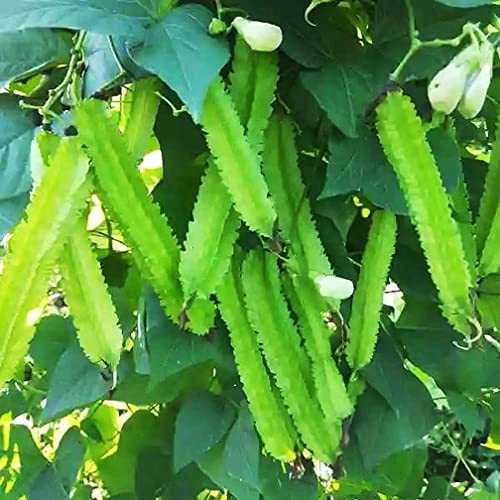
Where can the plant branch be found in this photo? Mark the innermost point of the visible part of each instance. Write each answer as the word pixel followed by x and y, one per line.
pixel 56 94
pixel 416 44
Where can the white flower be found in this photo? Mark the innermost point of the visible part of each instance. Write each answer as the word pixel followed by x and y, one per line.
pixel 477 85
pixel 446 88
pixel 476 89
pixel 334 287
pixel 463 82
pixel 262 37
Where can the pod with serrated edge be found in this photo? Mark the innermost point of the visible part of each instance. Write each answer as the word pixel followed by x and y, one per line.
pixel 34 248
pixel 236 160
pixel 121 187
pixel 369 294
pixel 271 418
pixel 269 316
pixel 408 151
pixel 90 303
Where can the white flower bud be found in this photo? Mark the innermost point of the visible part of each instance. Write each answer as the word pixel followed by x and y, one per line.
pixel 334 287
pixel 477 85
pixel 262 37
pixel 446 88
pixel 476 89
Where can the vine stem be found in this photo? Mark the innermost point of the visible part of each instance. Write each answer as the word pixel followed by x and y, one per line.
pixel 220 8
pixel 416 44
pixel 55 94
pixel 460 459
pixel 175 111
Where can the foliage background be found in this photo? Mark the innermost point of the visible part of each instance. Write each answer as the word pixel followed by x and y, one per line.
pixel 177 425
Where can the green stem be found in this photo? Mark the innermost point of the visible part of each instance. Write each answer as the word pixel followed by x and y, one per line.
pixel 175 111
pixel 220 8
pixel 416 44
pixel 55 94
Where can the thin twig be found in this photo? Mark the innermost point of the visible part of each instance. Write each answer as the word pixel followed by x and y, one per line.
pixel 416 44
pixel 56 94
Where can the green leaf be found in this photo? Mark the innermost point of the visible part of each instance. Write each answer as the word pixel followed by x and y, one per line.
pixel 466 412
pixel 242 450
pixel 25 52
pixel 101 429
pixel 189 483
pixel 212 463
pixel 47 485
pixel 466 4
pixel 181 52
pixel 483 495
pixel 69 458
pixel 433 351
pixel 13 401
pixel 11 210
pixel 151 472
pixel 401 474
pixel 173 350
pixel 100 16
pixel 53 336
pixel 118 471
pixel 134 388
pixel 360 165
pixel 437 488
pixel 279 485
pixel 344 90
pixel 17 130
pixel 395 412
pixel 76 382
pixel 31 460
pixel 202 422
pixel 101 65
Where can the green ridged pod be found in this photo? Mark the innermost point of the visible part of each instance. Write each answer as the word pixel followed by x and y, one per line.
pixel 490 200
pixel 34 248
pixel 254 79
pixel 490 258
pixel 284 179
pixel 463 216
pixel 200 315
pixel 330 388
pixel 124 194
pixel 214 228
pixel 488 223
pixel 141 115
pixel 236 160
pixel 210 239
pixel 271 418
pixel 269 316
pixel 282 173
pixel 89 301
pixel 369 294
pixel 403 139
